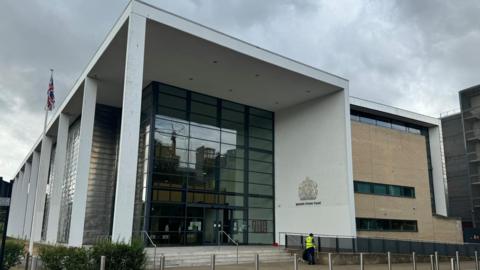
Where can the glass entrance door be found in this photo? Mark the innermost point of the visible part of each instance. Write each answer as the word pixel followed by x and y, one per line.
pixel 216 221
pixel 210 231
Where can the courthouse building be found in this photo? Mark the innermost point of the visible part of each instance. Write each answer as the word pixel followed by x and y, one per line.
pixel 178 131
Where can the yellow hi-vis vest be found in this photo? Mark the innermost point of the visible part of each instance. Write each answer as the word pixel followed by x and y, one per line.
pixel 309 242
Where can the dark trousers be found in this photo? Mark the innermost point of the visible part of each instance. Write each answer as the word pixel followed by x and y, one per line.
pixel 311 255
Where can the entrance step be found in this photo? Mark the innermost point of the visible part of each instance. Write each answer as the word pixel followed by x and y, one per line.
pixel 224 255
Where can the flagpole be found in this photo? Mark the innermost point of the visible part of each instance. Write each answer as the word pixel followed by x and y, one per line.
pixel 32 227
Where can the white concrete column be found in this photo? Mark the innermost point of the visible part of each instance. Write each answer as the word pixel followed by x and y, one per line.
pixel 438 164
pixel 77 221
pixel 22 205
pixel 129 130
pixel 27 228
pixel 19 221
pixel 12 229
pixel 59 174
pixel 41 189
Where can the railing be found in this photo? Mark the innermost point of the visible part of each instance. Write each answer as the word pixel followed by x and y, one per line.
pixel 229 238
pixel 154 248
pixel 379 245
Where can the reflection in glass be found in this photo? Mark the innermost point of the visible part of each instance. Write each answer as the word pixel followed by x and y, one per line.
pixel 231 137
pixel 171 125
pixel 205 132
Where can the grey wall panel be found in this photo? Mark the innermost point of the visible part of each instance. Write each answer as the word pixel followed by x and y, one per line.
pixel 102 174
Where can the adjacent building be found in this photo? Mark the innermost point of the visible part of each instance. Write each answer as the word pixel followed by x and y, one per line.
pixel 181 132
pixel 462 145
pixel 398 175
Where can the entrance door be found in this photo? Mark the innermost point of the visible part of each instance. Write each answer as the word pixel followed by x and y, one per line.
pixel 216 221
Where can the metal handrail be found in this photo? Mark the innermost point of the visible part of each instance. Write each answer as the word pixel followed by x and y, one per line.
pixel 154 248
pixel 230 239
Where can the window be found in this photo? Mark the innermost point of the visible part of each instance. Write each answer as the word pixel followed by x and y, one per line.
pixel 394 225
pixel 380 121
pixel 362 187
pixel 383 189
pixel 368 120
pixel 380 189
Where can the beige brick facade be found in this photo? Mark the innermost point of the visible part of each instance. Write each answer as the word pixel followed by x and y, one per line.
pixel 387 156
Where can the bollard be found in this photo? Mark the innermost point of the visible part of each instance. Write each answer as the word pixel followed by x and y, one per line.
pixel 102 262
pixel 414 261
pixel 330 262
pixel 362 264
pixel 162 262
pixel 452 264
pixel 476 260
pixel 257 262
pixel 34 263
pixel 295 261
pixel 212 262
pixel 389 260
pixel 432 264
pixel 457 259
pixel 437 267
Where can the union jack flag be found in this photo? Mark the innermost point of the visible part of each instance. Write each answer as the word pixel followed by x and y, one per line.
pixel 50 94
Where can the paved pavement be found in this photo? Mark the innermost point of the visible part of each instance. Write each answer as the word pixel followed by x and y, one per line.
pixel 287 266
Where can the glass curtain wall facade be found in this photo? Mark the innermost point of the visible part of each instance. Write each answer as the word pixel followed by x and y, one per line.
pixel 68 185
pixel 205 167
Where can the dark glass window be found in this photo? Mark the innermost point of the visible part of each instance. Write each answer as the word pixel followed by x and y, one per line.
pixel 371 224
pixel 261 122
pixel 383 189
pixel 387 123
pixel 174 102
pixel 362 187
pixel 368 120
pixel 414 130
pixel 399 126
pixel 234 116
pixel 261 133
pixel 384 123
pixel 204 109
pixel 380 189
pixel 395 190
pixel 262 113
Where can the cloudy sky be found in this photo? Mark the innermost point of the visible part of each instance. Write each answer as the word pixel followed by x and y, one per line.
pixel 411 54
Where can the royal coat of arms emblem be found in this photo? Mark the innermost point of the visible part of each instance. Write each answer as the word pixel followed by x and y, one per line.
pixel 307 190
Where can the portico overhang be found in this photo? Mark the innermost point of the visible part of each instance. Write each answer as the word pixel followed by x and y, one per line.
pixel 186 54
